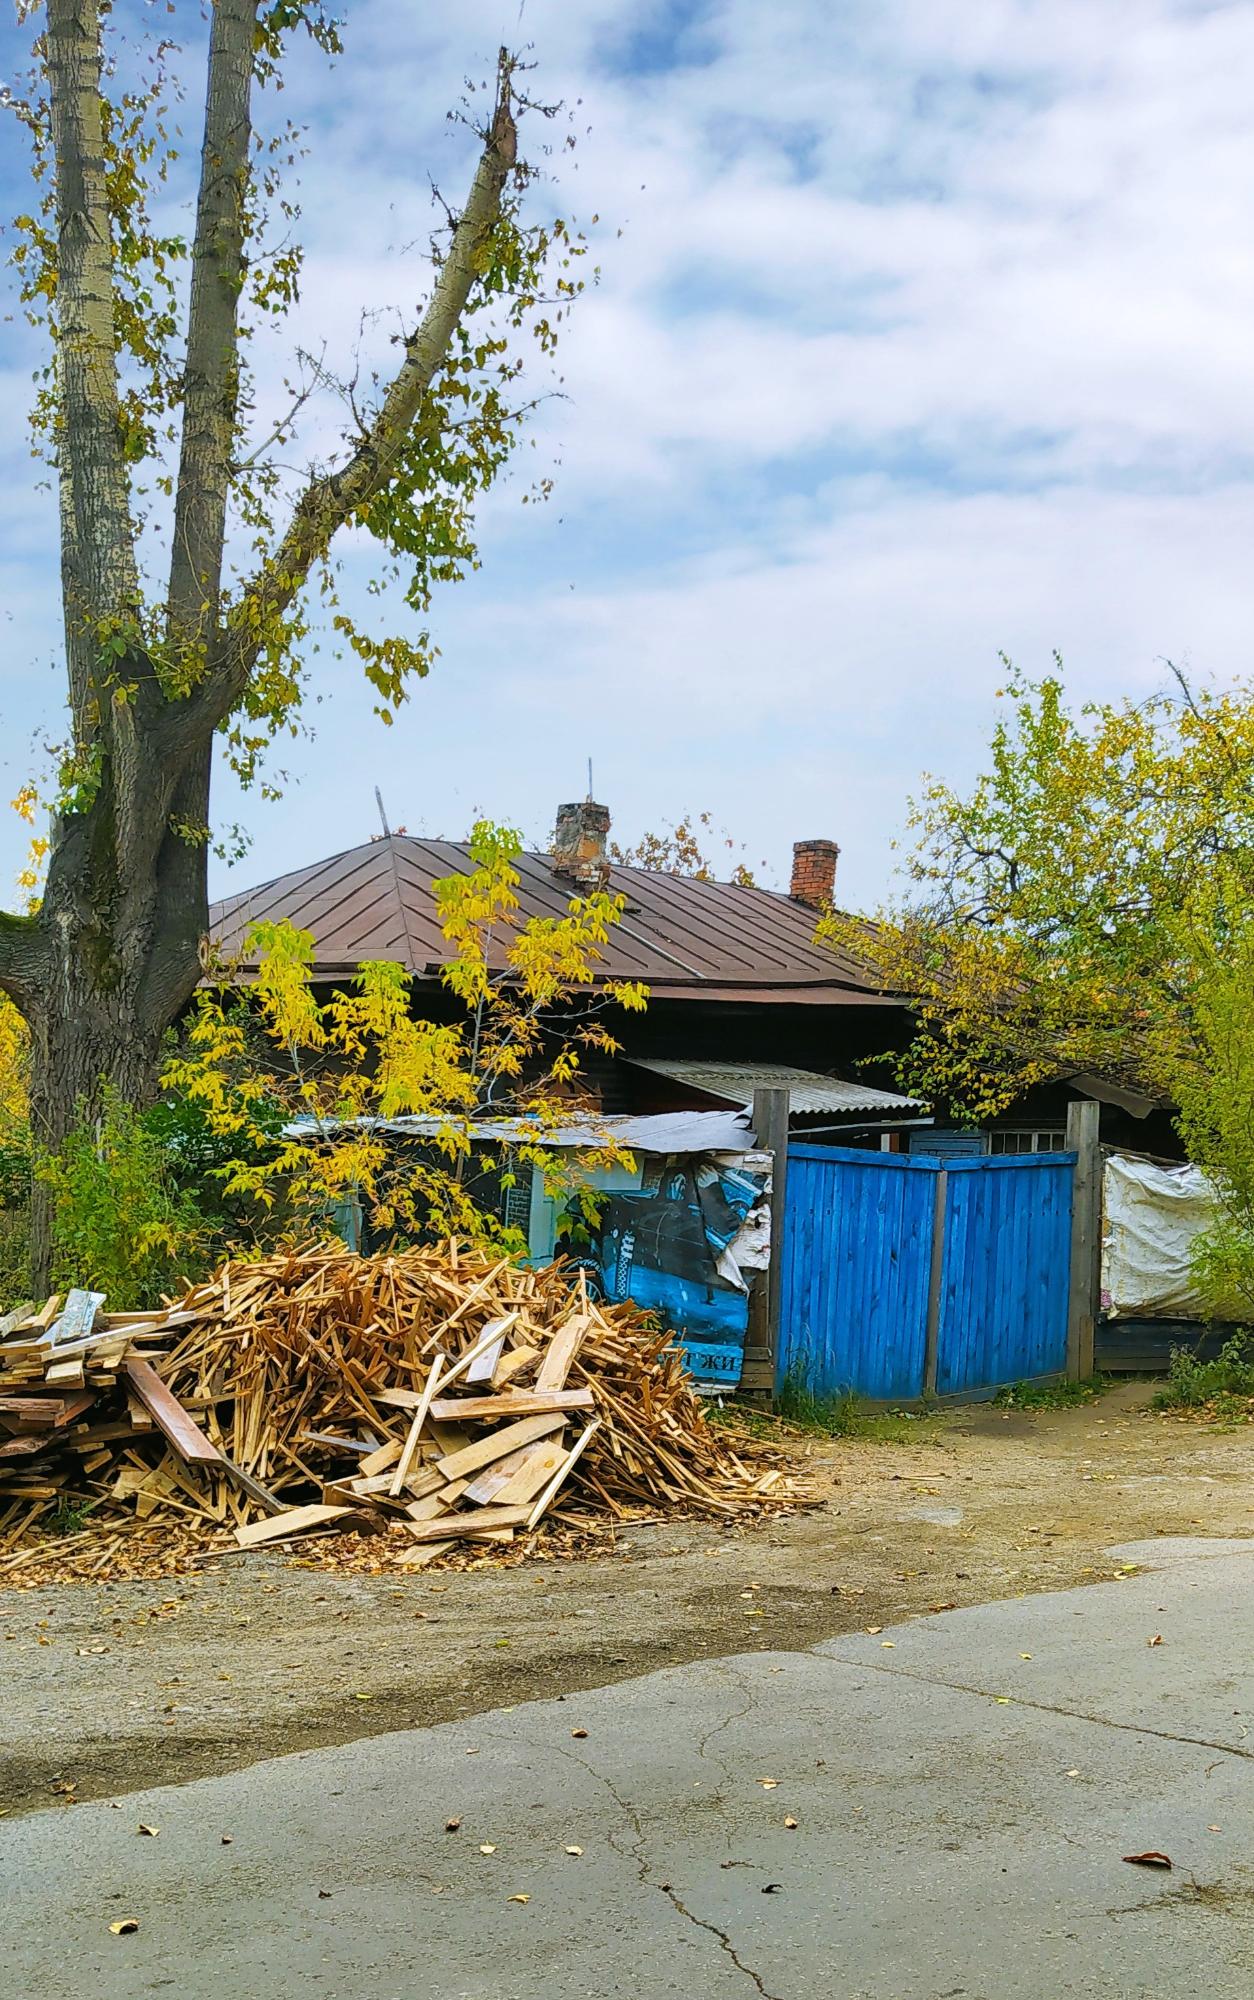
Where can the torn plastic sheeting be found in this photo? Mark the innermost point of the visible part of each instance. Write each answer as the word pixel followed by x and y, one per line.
pixel 1153 1217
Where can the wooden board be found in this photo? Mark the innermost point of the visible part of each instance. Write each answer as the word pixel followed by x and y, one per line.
pixel 420 1417
pixel 563 1348
pixel 484 1366
pixel 479 1521
pixel 563 1471
pixel 460 1464
pixel 510 1403
pixel 182 1431
pixel 527 1480
pixel 437 1503
pixel 421 1553
pixel 379 1461
pixel 513 1363
pixel 292 1521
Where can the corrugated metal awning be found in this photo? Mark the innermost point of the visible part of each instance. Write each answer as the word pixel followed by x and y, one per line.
pixel 808 1090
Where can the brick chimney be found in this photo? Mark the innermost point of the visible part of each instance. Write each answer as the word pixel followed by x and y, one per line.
pixel 579 844
pixel 814 872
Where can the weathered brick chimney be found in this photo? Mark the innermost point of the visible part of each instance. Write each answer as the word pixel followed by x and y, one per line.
pixel 814 872
pixel 579 844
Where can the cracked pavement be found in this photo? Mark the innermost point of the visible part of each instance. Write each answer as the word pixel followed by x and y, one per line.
pixel 964 1788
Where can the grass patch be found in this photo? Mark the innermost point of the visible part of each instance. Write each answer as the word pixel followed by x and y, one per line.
pixel 848 1416
pixel 1222 1389
pixel 1051 1395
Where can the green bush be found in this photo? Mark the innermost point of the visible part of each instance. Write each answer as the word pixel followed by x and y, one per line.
pixel 15 1282
pixel 1192 1384
pixel 121 1223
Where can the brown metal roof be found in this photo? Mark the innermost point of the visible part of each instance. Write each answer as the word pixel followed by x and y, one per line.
pixel 686 938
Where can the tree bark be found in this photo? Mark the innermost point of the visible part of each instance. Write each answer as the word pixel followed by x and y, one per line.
pixel 106 967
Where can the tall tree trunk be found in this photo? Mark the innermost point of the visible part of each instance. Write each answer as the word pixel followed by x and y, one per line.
pixel 115 968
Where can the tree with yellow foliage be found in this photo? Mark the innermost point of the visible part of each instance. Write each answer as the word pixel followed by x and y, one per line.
pixel 531 1009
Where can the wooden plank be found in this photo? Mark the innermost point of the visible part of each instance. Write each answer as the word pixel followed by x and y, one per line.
pixel 438 1503
pixel 479 1521
pixel 511 1403
pixel 69 1374
pixel 182 1431
pixel 489 1483
pixel 421 1553
pixel 563 1348
pixel 420 1416
pixel 513 1363
pixel 460 1464
pixel 379 1461
pixel 521 1488
pixel 484 1366
pixel 1084 1298
pixel 563 1471
pixel 250 1485
pixel 292 1521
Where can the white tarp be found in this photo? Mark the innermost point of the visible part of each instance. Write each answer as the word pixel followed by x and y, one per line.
pixel 1152 1217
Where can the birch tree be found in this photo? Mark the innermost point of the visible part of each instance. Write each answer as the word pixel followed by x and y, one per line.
pixel 146 415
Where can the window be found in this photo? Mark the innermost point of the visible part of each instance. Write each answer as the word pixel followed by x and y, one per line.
pixel 1033 1139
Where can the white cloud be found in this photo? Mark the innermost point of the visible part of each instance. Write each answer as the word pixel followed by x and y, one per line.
pixel 927 334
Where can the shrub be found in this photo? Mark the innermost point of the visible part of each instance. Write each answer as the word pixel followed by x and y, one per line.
pixel 1191 1384
pixel 121 1224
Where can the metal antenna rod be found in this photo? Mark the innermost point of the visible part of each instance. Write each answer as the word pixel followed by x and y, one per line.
pixel 378 799
pixel 590 793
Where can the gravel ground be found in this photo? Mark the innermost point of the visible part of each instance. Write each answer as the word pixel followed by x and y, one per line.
pixel 110 1687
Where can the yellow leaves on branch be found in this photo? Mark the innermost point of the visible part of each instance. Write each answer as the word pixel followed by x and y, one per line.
pixel 296 1083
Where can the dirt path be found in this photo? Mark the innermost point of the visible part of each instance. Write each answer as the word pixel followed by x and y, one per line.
pixel 113 1686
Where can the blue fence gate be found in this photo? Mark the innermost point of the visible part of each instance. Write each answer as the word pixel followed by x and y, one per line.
pixel 903 1276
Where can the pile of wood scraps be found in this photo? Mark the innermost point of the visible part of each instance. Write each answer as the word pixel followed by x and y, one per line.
pixel 438 1398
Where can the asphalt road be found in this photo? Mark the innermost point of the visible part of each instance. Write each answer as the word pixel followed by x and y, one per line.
pixel 963 1788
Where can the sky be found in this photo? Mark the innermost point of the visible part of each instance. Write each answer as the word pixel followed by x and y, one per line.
pixel 922 336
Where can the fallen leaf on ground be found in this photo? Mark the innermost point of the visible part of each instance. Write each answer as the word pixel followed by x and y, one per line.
pixel 791 1824
pixel 579 1732
pixel 518 1899
pixel 772 1888
pixel 1025 1656
pixel 124 1926
pixel 487 1847
pixel 1157 1639
pixel 888 1644
pixel 874 1628
pixel 151 1831
pixel 574 1850
pixel 227 1838
pixel 451 1825
pixel 1150 1859
pixel 768 1784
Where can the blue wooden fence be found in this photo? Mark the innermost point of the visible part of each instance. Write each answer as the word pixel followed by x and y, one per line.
pixel 904 1275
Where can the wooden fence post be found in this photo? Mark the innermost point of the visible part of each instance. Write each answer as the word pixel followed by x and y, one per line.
pixel 770 1125
pixel 1084 1304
